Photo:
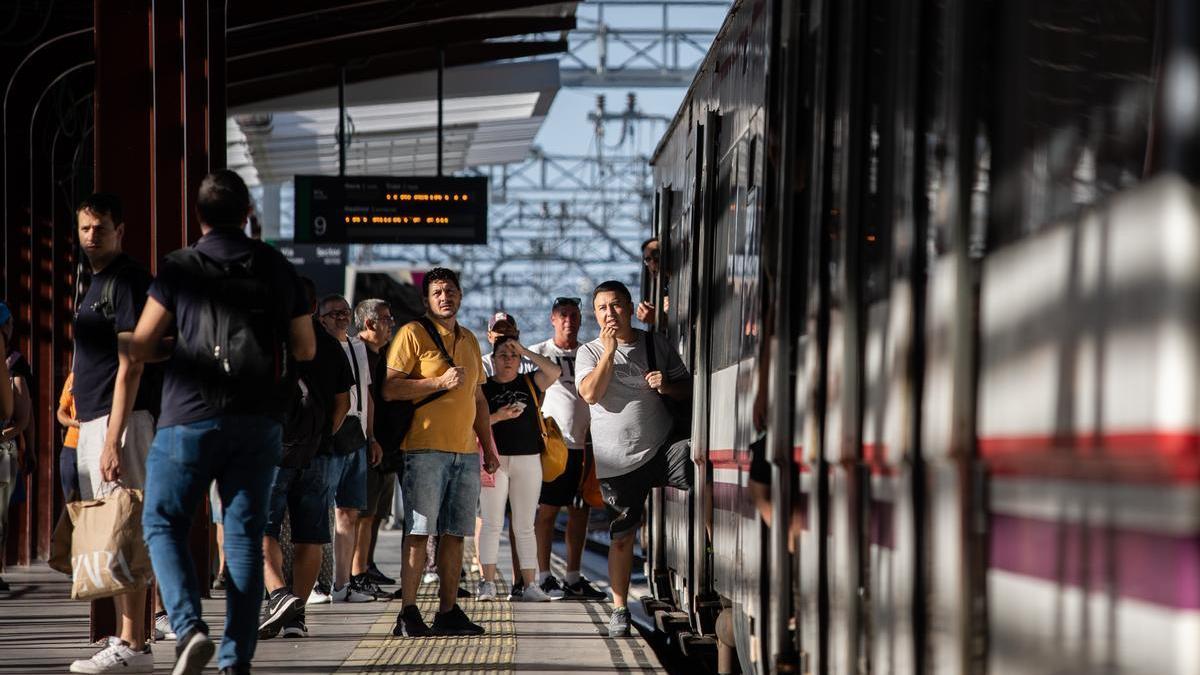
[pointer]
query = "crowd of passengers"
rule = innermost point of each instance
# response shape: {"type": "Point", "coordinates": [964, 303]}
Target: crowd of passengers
{"type": "Point", "coordinates": [291, 425]}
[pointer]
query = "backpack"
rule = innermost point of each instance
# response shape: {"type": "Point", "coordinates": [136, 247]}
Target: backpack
{"type": "Point", "coordinates": [106, 306]}
{"type": "Point", "coordinates": [239, 353]}
{"type": "Point", "coordinates": [393, 419]}
{"type": "Point", "coordinates": [302, 426]}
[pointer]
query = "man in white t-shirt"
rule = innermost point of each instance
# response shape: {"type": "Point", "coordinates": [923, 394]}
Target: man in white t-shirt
{"type": "Point", "coordinates": [349, 469]}
{"type": "Point", "coordinates": [563, 404]}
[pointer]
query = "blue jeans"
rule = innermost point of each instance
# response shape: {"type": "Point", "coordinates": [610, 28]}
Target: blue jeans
{"type": "Point", "coordinates": [441, 492]}
{"type": "Point", "coordinates": [68, 473]}
{"type": "Point", "coordinates": [240, 452]}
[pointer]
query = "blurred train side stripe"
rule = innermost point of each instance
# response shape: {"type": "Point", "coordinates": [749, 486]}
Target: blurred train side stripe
{"type": "Point", "coordinates": [1130, 457]}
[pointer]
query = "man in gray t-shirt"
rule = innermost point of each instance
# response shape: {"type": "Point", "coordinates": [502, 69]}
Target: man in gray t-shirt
{"type": "Point", "coordinates": [631, 423]}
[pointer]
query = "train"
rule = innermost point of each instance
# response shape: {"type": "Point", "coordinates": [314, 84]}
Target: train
{"type": "Point", "coordinates": [935, 268]}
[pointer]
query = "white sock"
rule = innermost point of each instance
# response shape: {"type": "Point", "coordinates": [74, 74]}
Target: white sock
{"type": "Point", "coordinates": [572, 577]}
{"type": "Point", "coordinates": [542, 577]}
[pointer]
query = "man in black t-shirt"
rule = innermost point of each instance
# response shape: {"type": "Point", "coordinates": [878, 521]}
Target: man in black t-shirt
{"type": "Point", "coordinates": [116, 416]}
{"type": "Point", "coordinates": [304, 489]}
{"type": "Point", "coordinates": [209, 429]}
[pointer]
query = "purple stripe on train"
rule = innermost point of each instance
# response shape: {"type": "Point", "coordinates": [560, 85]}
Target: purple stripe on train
{"type": "Point", "coordinates": [1155, 568]}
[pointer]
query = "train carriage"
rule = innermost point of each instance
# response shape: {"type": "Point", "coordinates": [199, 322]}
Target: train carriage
{"type": "Point", "coordinates": [953, 246]}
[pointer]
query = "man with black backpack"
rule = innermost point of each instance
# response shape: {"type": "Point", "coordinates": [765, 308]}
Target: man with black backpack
{"type": "Point", "coordinates": [116, 415]}
{"type": "Point", "coordinates": [303, 485]}
{"type": "Point", "coordinates": [236, 307]}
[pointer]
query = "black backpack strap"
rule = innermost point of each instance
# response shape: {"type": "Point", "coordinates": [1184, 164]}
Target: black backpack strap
{"type": "Point", "coordinates": [106, 306]}
{"type": "Point", "coordinates": [437, 339]}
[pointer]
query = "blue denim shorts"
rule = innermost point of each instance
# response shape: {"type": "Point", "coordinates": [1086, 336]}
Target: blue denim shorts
{"type": "Point", "coordinates": [441, 492]}
{"type": "Point", "coordinates": [304, 494]}
{"type": "Point", "coordinates": [348, 475]}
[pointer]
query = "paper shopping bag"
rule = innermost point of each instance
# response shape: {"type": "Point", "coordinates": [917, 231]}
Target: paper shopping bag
{"type": "Point", "coordinates": [108, 556]}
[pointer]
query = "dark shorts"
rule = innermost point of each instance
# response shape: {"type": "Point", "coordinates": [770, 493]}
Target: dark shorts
{"type": "Point", "coordinates": [380, 488]}
{"type": "Point", "coordinates": [304, 495]}
{"type": "Point", "coordinates": [348, 475]}
{"type": "Point", "coordinates": [562, 491]}
{"type": "Point", "coordinates": [625, 495]}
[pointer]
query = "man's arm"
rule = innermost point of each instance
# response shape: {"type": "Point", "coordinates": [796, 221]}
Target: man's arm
{"type": "Point", "coordinates": [399, 387]}
{"type": "Point", "coordinates": [374, 450]}
{"type": "Point", "coordinates": [129, 376]}
{"type": "Point", "coordinates": [147, 344]}
{"type": "Point", "coordinates": [301, 340]}
{"type": "Point", "coordinates": [680, 390]}
{"type": "Point", "coordinates": [6, 393]}
{"type": "Point", "coordinates": [595, 384]}
{"type": "Point", "coordinates": [22, 412]}
{"type": "Point", "coordinates": [483, 430]}
{"type": "Point", "coordinates": [64, 416]}
{"type": "Point", "coordinates": [341, 406]}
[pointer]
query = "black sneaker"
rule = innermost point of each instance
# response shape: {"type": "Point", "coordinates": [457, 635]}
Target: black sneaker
{"type": "Point", "coordinates": [552, 588]}
{"type": "Point", "coordinates": [464, 593]}
{"type": "Point", "coordinates": [281, 608]}
{"type": "Point", "coordinates": [193, 651]}
{"type": "Point", "coordinates": [618, 624]}
{"type": "Point", "coordinates": [379, 577]}
{"type": "Point", "coordinates": [516, 591]}
{"type": "Point", "coordinates": [410, 624]}
{"type": "Point", "coordinates": [455, 622]}
{"type": "Point", "coordinates": [363, 583]}
{"type": "Point", "coordinates": [584, 590]}
{"type": "Point", "coordinates": [221, 581]}
{"type": "Point", "coordinates": [235, 670]}
{"type": "Point", "coordinates": [3, 585]}
{"type": "Point", "coordinates": [295, 628]}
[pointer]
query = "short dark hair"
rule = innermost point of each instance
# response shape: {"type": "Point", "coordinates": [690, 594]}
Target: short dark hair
{"type": "Point", "coordinates": [223, 199]}
{"type": "Point", "coordinates": [439, 274]}
{"type": "Point", "coordinates": [103, 204]}
{"type": "Point", "coordinates": [613, 286]}
{"type": "Point", "coordinates": [649, 241]}
{"type": "Point", "coordinates": [332, 297]}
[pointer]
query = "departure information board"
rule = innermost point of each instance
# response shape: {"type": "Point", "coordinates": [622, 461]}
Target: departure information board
{"type": "Point", "coordinates": [391, 210]}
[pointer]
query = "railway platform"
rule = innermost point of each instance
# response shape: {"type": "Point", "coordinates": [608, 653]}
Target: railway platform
{"type": "Point", "coordinates": [42, 631]}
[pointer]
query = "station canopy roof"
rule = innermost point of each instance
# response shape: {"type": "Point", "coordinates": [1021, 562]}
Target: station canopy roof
{"type": "Point", "coordinates": [284, 68]}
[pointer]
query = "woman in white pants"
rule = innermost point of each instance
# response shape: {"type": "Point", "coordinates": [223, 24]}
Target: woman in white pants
{"type": "Point", "coordinates": [513, 403]}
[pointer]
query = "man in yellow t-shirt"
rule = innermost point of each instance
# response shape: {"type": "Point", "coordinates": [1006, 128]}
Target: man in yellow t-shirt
{"type": "Point", "coordinates": [441, 458]}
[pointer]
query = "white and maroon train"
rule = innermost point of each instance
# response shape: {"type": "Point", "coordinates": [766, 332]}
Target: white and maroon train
{"type": "Point", "coordinates": [952, 248]}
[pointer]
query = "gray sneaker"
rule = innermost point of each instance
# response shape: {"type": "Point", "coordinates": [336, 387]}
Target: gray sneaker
{"type": "Point", "coordinates": [618, 624]}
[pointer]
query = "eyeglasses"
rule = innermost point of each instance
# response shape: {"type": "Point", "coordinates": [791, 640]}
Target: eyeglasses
{"type": "Point", "coordinates": [558, 302]}
{"type": "Point", "coordinates": [385, 319]}
{"type": "Point", "coordinates": [338, 314]}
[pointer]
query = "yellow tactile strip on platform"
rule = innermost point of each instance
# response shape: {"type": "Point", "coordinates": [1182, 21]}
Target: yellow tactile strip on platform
{"type": "Point", "coordinates": [493, 652]}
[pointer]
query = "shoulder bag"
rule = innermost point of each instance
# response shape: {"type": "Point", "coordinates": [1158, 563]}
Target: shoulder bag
{"type": "Point", "coordinates": [554, 447]}
{"type": "Point", "coordinates": [393, 419]}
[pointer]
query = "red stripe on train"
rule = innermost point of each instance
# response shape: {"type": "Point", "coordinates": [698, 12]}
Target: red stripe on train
{"type": "Point", "coordinates": [1134, 457]}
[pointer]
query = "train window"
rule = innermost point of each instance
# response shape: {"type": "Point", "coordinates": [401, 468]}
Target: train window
{"type": "Point", "coordinates": [723, 299]}
{"type": "Point", "coordinates": [1074, 93]}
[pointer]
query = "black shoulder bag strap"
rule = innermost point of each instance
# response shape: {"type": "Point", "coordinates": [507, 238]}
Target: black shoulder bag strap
{"type": "Point", "coordinates": [359, 392]}
{"type": "Point", "coordinates": [437, 341]}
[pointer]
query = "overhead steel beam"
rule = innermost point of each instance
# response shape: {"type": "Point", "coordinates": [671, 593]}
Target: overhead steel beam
{"type": "Point", "coordinates": [381, 43]}
{"type": "Point", "coordinates": [398, 63]}
{"type": "Point", "coordinates": [263, 25]}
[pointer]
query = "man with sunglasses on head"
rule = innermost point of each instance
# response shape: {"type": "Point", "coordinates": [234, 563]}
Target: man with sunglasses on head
{"type": "Point", "coordinates": [563, 403]}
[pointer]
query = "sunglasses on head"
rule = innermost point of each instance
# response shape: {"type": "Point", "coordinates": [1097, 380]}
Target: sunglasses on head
{"type": "Point", "coordinates": [560, 301]}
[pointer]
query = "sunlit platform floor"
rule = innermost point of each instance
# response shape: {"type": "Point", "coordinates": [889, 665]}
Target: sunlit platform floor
{"type": "Point", "coordinates": [42, 631]}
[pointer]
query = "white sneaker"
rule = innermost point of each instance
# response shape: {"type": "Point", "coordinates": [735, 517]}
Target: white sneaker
{"type": "Point", "coordinates": [117, 657]}
{"type": "Point", "coordinates": [534, 593]}
{"type": "Point", "coordinates": [429, 578]}
{"type": "Point", "coordinates": [162, 628]}
{"type": "Point", "coordinates": [485, 591]}
{"type": "Point", "coordinates": [318, 597]}
{"type": "Point", "coordinates": [348, 594]}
